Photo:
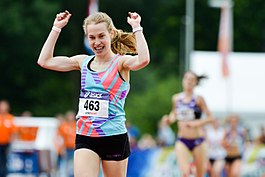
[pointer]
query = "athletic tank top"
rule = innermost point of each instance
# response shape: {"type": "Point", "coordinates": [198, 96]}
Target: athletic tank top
{"type": "Point", "coordinates": [187, 111]}
{"type": "Point", "coordinates": [101, 102]}
{"type": "Point", "coordinates": [214, 142]}
{"type": "Point", "coordinates": [236, 141]}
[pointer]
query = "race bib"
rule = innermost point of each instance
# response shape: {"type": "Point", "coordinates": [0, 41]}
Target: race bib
{"type": "Point", "coordinates": [185, 114]}
{"type": "Point", "coordinates": [94, 104]}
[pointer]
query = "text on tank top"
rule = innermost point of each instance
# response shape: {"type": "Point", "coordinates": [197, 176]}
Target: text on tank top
{"type": "Point", "coordinates": [187, 110]}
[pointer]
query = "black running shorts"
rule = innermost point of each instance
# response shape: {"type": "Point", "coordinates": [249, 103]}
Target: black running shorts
{"type": "Point", "coordinates": [115, 147]}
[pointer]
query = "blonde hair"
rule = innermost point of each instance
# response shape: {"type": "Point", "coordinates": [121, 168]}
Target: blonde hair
{"type": "Point", "coordinates": [122, 42]}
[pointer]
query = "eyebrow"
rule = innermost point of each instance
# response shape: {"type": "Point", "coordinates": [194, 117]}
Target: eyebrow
{"type": "Point", "coordinates": [102, 33]}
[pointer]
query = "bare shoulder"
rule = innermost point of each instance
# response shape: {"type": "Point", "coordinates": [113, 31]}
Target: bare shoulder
{"type": "Point", "coordinates": [79, 58]}
{"type": "Point", "coordinates": [127, 58]}
{"type": "Point", "coordinates": [175, 97]}
{"type": "Point", "coordinates": [199, 99]}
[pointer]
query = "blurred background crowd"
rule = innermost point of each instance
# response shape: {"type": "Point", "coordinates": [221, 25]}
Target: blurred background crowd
{"type": "Point", "coordinates": [218, 137]}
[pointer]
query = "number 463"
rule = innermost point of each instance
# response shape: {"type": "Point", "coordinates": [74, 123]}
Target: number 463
{"type": "Point", "coordinates": [91, 105]}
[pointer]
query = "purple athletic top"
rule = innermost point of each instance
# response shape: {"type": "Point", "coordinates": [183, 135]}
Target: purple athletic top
{"type": "Point", "coordinates": [187, 110]}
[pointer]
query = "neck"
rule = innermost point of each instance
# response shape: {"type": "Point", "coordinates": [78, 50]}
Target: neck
{"type": "Point", "coordinates": [188, 92]}
{"type": "Point", "coordinates": [104, 58]}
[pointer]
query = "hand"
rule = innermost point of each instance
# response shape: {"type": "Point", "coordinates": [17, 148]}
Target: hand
{"type": "Point", "coordinates": [165, 120]}
{"type": "Point", "coordinates": [134, 19]}
{"type": "Point", "coordinates": [62, 19]}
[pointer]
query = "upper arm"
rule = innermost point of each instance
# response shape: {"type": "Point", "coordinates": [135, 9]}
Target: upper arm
{"type": "Point", "coordinates": [174, 101]}
{"type": "Point", "coordinates": [172, 114]}
{"type": "Point", "coordinates": [62, 63]}
{"type": "Point", "coordinates": [134, 63]}
{"type": "Point", "coordinates": [202, 104]}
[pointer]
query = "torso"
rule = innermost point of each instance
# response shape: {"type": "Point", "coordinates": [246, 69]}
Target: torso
{"type": "Point", "coordinates": [102, 98]}
{"type": "Point", "coordinates": [235, 142]}
{"type": "Point", "coordinates": [187, 110]}
{"type": "Point", "coordinates": [214, 142]}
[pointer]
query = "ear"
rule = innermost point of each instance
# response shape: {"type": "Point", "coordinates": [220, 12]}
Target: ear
{"type": "Point", "coordinates": [112, 33]}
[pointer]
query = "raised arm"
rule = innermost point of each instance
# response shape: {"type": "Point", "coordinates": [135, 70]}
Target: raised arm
{"type": "Point", "coordinates": [59, 63]}
{"type": "Point", "coordinates": [143, 58]}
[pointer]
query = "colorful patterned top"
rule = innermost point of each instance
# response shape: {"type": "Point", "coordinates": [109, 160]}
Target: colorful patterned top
{"type": "Point", "coordinates": [101, 103]}
{"type": "Point", "coordinates": [187, 111]}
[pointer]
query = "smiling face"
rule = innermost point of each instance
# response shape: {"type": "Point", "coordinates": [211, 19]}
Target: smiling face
{"type": "Point", "coordinates": [189, 81]}
{"type": "Point", "coordinates": [99, 38]}
{"type": "Point", "coordinates": [99, 30]}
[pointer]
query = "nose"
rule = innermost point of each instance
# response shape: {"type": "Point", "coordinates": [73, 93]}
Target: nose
{"type": "Point", "coordinates": [97, 41]}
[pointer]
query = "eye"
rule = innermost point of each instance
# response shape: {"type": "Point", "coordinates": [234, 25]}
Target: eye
{"type": "Point", "coordinates": [91, 37]}
{"type": "Point", "coordinates": [101, 36]}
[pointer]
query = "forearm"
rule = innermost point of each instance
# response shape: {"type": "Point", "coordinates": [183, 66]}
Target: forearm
{"type": "Point", "coordinates": [172, 117]}
{"type": "Point", "coordinates": [142, 48]}
{"type": "Point", "coordinates": [204, 122]}
{"type": "Point", "coordinates": [48, 48]}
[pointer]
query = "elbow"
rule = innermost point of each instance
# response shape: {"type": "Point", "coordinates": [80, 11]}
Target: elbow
{"type": "Point", "coordinates": [140, 64]}
{"type": "Point", "coordinates": [41, 63]}
{"type": "Point", "coordinates": [145, 62]}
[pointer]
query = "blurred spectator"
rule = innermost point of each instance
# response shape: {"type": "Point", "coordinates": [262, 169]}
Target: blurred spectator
{"type": "Point", "coordinates": [67, 131]}
{"type": "Point", "coordinates": [165, 135]}
{"type": "Point", "coordinates": [262, 135]}
{"type": "Point", "coordinates": [7, 130]}
{"type": "Point", "coordinates": [133, 134]}
{"type": "Point", "coordinates": [26, 113]}
{"type": "Point", "coordinates": [27, 133]}
{"type": "Point", "coordinates": [234, 143]}
{"type": "Point", "coordinates": [214, 134]}
{"type": "Point", "coordinates": [146, 142]}
{"type": "Point", "coordinates": [249, 138]}
{"type": "Point", "coordinates": [254, 151]}
{"type": "Point", "coordinates": [60, 148]}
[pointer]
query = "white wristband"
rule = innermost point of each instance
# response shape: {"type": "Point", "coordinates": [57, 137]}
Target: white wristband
{"type": "Point", "coordinates": [139, 28]}
{"type": "Point", "coordinates": [55, 28]}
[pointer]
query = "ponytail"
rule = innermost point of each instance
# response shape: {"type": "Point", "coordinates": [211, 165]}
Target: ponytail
{"type": "Point", "coordinates": [198, 77]}
{"type": "Point", "coordinates": [123, 43]}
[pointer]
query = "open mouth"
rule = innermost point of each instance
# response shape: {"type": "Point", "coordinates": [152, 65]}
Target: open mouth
{"type": "Point", "coordinates": [99, 49]}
